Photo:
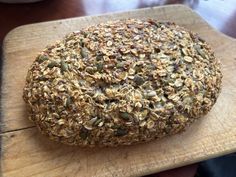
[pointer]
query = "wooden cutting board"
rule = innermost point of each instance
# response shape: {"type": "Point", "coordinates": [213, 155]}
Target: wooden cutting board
{"type": "Point", "coordinates": [25, 152]}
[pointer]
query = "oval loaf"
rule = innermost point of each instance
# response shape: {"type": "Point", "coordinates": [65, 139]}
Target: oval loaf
{"type": "Point", "coordinates": [122, 82]}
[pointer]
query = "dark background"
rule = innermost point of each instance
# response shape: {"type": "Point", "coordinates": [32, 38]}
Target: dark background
{"type": "Point", "coordinates": [220, 14]}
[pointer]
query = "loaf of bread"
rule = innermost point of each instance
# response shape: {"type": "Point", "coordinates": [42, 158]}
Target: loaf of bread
{"type": "Point", "coordinates": [121, 83]}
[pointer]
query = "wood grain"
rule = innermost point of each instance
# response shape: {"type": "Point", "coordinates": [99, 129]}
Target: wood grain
{"type": "Point", "coordinates": [27, 153]}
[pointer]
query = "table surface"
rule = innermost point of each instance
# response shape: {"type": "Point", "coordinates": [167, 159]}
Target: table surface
{"type": "Point", "coordinates": [221, 14]}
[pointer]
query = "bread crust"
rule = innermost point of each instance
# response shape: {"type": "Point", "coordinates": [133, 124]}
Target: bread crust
{"type": "Point", "coordinates": [121, 83]}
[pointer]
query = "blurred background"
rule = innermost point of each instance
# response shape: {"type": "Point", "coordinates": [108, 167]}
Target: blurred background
{"type": "Point", "coordinates": [220, 14]}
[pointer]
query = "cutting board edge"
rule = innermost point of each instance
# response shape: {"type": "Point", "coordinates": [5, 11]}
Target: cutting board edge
{"type": "Point", "coordinates": [186, 8]}
{"type": "Point", "coordinates": [139, 173]}
{"type": "Point", "coordinates": [11, 32]}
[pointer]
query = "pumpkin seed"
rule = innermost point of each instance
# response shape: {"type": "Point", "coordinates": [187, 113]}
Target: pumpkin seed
{"type": "Point", "coordinates": [42, 58]}
{"type": "Point", "coordinates": [81, 42]}
{"type": "Point", "coordinates": [138, 80]}
{"type": "Point", "coordinates": [121, 132]}
{"type": "Point", "coordinates": [200, 51]}
{"type": "Point", "coordinates": [64, 66]}
{"type": "Point", "coordinates": [42, 78]}
{"type": "Point", "coordinates": [52, 64]}
{"type": "Point", "coordinates": [120, 64]}
{"type": "Point", "coordinates": [68, 101]}
{"type": "Point", "coordinates": [83, 53]}
{"type": "Point", "coordinates": [83, 133]}
{"type": "Point", "coordinates": [99, 66]}
{"type": "Point", "coordinates": [125, 115]}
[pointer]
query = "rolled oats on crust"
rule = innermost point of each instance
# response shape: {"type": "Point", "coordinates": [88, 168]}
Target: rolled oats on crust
{"type": "Point", "coordinates": [122, 82]}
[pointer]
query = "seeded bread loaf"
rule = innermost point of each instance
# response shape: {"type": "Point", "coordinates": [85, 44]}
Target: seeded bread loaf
{"type": "Point", "coordinates": [122, 82]}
